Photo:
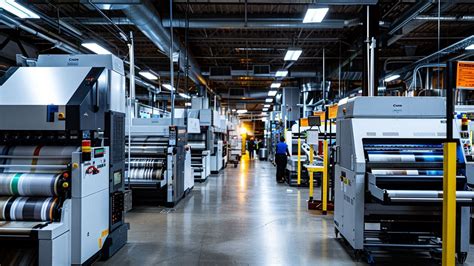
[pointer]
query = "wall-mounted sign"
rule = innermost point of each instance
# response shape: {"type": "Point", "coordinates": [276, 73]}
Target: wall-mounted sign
{"type": "Point", "coordinates": [465, 75]}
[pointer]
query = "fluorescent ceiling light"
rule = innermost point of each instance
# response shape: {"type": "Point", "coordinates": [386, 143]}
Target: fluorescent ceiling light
{"type": "Point", "coordinates": [315, 15]}
{"type": "Point", "coordinates": [16, 9]}
{"type": "Point", "coordinates": [272, 93]}
{"type": "Point", "coordinates": [184, 95]}
{"type": "Point", "coordinates": [470, 47]}
{"type": "Point", "coordinates": [265, 109]}
{"type": "Point", "coordinates": [269, 100]}
{"type": "Point", "coordinates": [293, 54]}
{"type": "Point", "coordinates": [242, 111]}
{"type": "Point", "coordinates": [94, 47]}
{"type": "Point", "coordinates": [266, 105]}
{"type": "Point", "coordinates": [233, 110]}
{"type": "Point", "coordinates": [275, 85]}
{"type": "Point", "coordinates": [253, 49]}
{"type": "Point", "coordinates": [281, 73]}
{"type": "Point", "coordinates": [391, 78]}
{"type": "Point", "coordinates": [148, 75]}
{"type": "Point", "coordinates": [168, 87]}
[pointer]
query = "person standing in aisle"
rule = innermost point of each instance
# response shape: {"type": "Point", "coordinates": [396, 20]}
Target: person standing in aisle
{"type": "Point", "coordinates": [251, 148]}
{"type": "Point", "coordinates": [281, 159]}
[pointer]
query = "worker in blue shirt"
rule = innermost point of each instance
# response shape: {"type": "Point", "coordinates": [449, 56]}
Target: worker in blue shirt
{"type": "Point", "coordinates": [281, 159]}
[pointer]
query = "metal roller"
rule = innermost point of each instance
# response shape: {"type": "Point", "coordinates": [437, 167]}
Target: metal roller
{"type": "Point", "coordinates": [408, 172]}
{"type": "Point", "coordinates": [27, 184]}
{"type": "Point", "coordinates": [146, 162]}
{"type": "Point", "coordinates": [409, 158]}
{"type": "Point", "coordinates": [35, 156]}
{"type": "Point", "coordinates": [28, 208]}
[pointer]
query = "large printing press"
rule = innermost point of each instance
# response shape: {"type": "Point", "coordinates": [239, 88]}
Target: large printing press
{"type": "Point", "coordinates": [160, 160]}
{"type": "Point", "coordinates": [61, 160]}
{"type": "Point", "coordinates": [389, 174]}
{"type": "Point", "coordinates": [209, 154]}
{"type": "Point", "coordinates": [201, 143]}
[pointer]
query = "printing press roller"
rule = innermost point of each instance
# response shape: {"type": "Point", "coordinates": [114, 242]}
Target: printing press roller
{"type": "Point", "coordinates": [146, 168]}
{"type": "Point", "coordinates": [31, 181]}
{"type": "Point", "coordinates": [31, 184]}
{"type": "Point", "coordinates": [28, 208]}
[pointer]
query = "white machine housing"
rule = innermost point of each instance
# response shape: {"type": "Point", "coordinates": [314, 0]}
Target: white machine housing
{"type": "Point", "coordinates": [391, 119]}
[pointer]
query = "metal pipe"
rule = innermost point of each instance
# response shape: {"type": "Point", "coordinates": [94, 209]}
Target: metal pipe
{"type": "Point", "coordinates": [172, 64]}
{"type": "Point", "coordinates": [257, 23]}
{"type": "Point", "coordinates": [131, 51]}
{"type": "Point", "coordinates": [13, 23]}
{"type": "Point", "coordinates": [367, 48]}
{"type": "Point", "coordinates": [443, 52]}
{"type": "Point", "coordinates": [417, 9]}
{"type": "Point", "coordinates": [229, 23]}
{"type": "Point", "coordinates": [373, 46]}
{"type": "Point", "coordinates": [324, 76]}
{"type": "Point", "coordinates": [145, 17]}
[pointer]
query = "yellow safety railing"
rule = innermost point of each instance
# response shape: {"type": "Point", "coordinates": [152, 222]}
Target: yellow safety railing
{"type": "Point", "coordinates": [311, 186]}
{"type": "Point", "coordinates": [299, 161]}
{"type": "Point", "coordinates": [449, 204]}
{"type": "Point", "coordinates": [324, 181]}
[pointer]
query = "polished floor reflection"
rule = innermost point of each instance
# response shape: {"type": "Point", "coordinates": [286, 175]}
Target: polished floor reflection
{"type": "Point", "coordinates": [240, 217]}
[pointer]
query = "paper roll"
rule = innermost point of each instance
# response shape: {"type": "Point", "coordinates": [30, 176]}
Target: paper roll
{"type": "Point", "coordinates": [25, 184]}
{"type": "Point", "coordinates": [28, 208]}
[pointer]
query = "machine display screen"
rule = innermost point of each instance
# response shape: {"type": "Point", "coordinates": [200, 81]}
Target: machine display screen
{"type": "Point", "coordinates": [99, 152]}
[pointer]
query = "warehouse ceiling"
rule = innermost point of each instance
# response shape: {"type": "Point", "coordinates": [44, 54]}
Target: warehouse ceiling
{"type": "Point", "coordinates": [235, 46]}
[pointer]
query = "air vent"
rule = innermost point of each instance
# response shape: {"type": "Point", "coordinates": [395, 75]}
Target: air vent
{"type": "Point", "coordinates": [261, 69]}
{"type": "Point", "coordinates": [220, 72]}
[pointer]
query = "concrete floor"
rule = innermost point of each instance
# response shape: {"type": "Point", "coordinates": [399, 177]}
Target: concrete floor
{"type": "Point", "coordinates": [240, 217]}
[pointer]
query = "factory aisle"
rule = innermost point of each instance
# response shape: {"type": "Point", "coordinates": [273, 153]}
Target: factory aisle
{"type": "Point", "coordinates": [239, 217]}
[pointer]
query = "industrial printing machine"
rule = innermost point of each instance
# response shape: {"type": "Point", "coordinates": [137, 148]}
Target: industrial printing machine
{"type": "Point", "coordinates": [160, 161]}
{"type": "Point", "coordinates": [201, 145]}
{"type": "Point", "coordinates": [389, 175]}
{"type": "Point", "coordinates": [61, 168]}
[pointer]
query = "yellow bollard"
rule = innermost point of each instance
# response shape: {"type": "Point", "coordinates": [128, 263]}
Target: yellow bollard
{"type": "Point", "coordinates": [324, 184]}
{"type": "Point", "coordinates": [449, 204]}
{"type": "Point", "coordinates": [311, 185]}
{"type": "Point", "coordinates": [299, 161]}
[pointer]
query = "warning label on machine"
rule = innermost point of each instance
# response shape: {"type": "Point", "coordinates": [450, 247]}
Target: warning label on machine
{"type": "Point", "coordinates": [465, 75]}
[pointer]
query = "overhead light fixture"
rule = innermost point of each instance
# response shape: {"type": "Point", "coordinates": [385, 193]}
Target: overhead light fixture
{"type": "Point", "coordinates": [242, 111]}
{"type": "Point", "coordinates": [293, 54]}
{"type": "Point", "coordinates": [175, 57]}
{"type": "Point", "coordinates": [233, 110]}
{"type": "Point", "coordinates": [266, 105]}
{"type": "Point", "coordinates": [148, 75]}
{"type": "Point", "coordinates": [17, 9]}
{"type": "Point", "coordinates": [272, 93]}
{"type": "Point", "coordinates": [281, 73]}
{"type": "Point", "coordinates": [269, 100]}
{"type": "Point", "coordinates": [253, 49]}
{"type": "Point", "coordinates": [275, 85]}
{"type": "Point", "coordinates": [315, 14]}
{"type": "Point", "coordinates": [265, 109]}
{"type": "Point", "coordinates": [470, 47]}
{"type": "Point", "coordinates": [168, 87]}
{"type": "Point", "coordinates": [96, 48]}
{"type": "Point", "coordinates": [184, 95]}
{"type": "Point", "coordinates": [391, 78]}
